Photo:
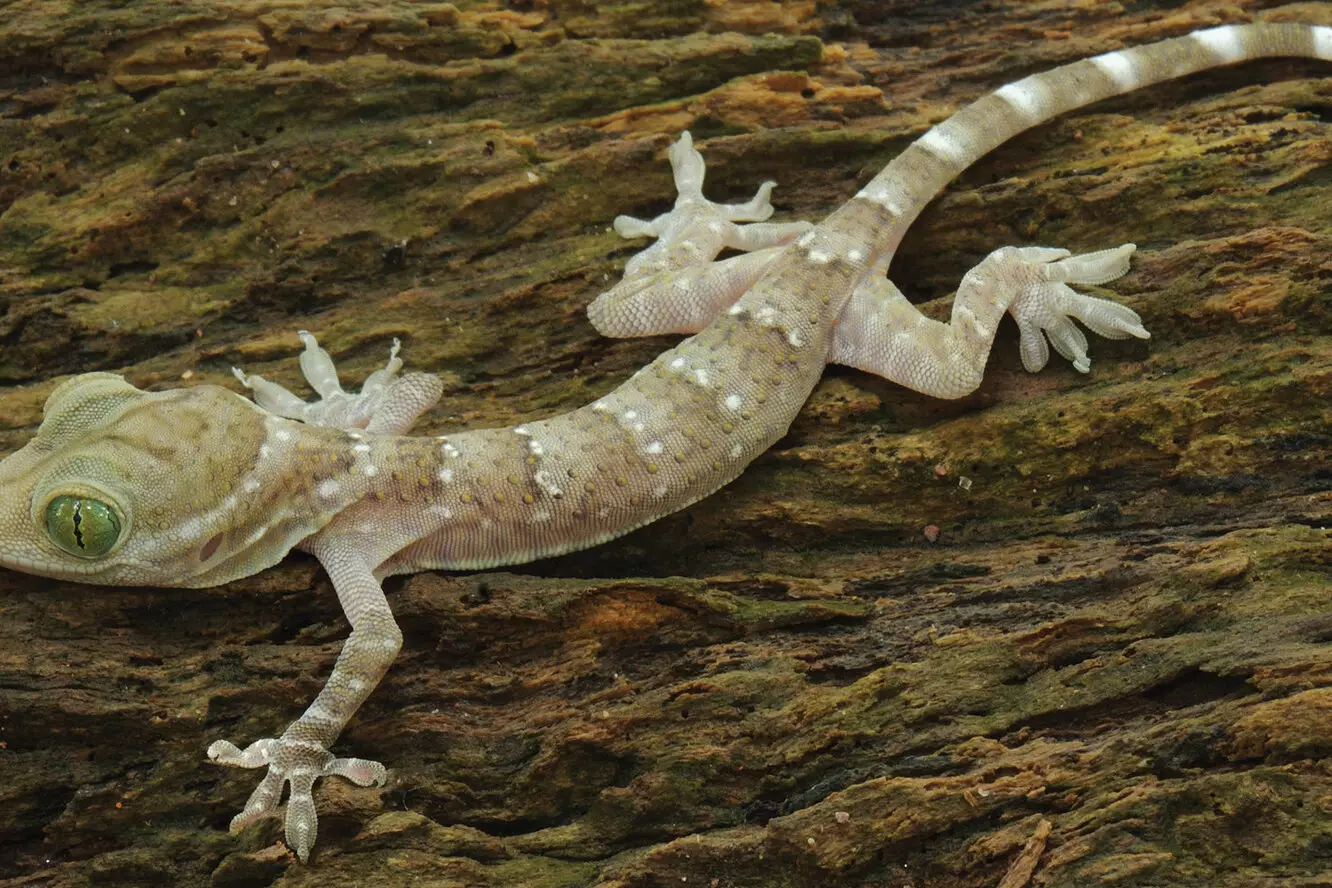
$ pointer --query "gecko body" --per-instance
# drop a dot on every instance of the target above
(199, 486)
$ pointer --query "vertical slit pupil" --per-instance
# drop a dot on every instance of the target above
(78, 525)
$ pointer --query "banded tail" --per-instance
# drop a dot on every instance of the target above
(902, 189)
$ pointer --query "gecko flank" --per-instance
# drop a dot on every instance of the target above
(122, 486)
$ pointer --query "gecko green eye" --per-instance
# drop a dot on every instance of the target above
(81, 526)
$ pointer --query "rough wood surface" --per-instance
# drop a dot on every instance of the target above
(1112, 667)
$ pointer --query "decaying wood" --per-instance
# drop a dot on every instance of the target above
(1119, 636)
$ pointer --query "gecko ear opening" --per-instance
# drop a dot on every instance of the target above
(210, 548)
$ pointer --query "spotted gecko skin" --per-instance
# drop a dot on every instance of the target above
(200, 486)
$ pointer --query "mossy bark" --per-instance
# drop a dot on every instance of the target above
(1070, 631)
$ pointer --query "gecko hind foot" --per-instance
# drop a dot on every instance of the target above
(297, 763)
(1045, 310)
(387, 404)
(880, 331)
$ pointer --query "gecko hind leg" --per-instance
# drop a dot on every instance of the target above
(387, 404)
(881, 332)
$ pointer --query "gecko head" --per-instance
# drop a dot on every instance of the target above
(127, 487)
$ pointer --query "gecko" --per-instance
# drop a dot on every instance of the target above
(199, 486)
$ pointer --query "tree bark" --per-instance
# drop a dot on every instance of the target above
(1069, 631)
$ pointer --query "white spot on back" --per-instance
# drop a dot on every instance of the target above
(736, 451)
(733, 402)
(446, 475)
(680, 362)
(282, 435)
(521, 430)
(449, 450)
(1224, 42)
(855, 255)
(1119, 68)
(701, 377)
(654, 447)
(736, 309)
(660, 491)
(819, 257)
(545, 482)
(794, 337)
(328, 488)
(371, 470)
(251, 485)
(536, 448)
(361, 448)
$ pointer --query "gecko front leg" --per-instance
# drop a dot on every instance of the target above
(387, 404)
(301, 755)
(676, 285)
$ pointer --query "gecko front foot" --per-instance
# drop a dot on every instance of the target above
(387, 404)
(299, 763)
(677, 285)
(1045, 310)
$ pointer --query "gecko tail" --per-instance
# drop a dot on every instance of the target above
(898, 194)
